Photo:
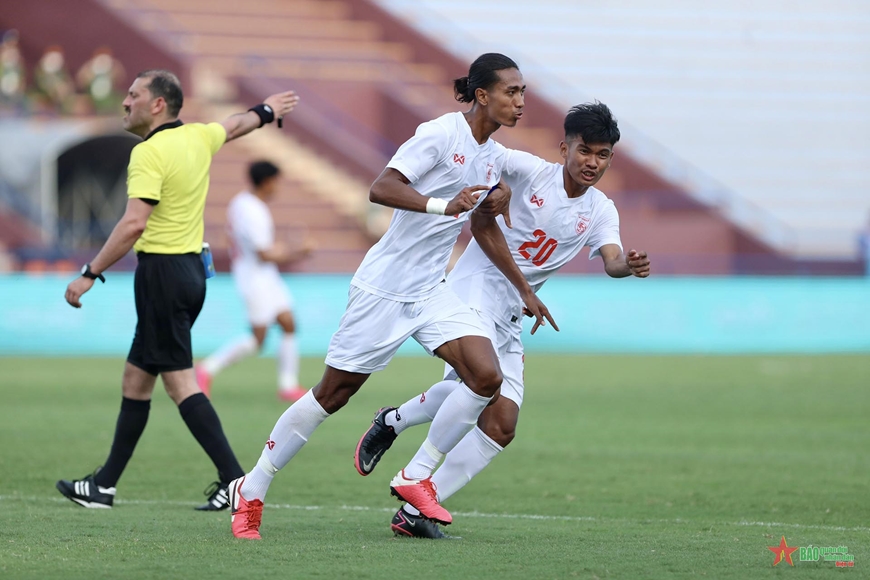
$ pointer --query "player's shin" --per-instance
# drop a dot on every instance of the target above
(288, 436)
(456, 417)
(421, 409)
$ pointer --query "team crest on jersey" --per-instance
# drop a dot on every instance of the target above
(538, 201)
(460, 159)
(582, 222)
(489, 168)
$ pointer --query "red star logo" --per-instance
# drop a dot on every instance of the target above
(782, 551)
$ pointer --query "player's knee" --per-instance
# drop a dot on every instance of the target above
(500, 432)
(487, 383)
(333, 397)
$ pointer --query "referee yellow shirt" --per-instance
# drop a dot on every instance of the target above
(171, 168)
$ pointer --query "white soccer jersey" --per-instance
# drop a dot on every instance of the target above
(251, 229)
(440, 160)
(549, 230)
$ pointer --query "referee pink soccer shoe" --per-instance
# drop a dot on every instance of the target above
(420, 493)
(247, 515)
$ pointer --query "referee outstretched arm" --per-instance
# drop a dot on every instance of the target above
(167, 185)
(141, 107)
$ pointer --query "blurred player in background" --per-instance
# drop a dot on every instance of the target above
(556, 211)
(255, 258)
(398, 292)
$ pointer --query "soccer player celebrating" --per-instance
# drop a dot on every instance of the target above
(433, 181)
(255, 258)
(556, 211)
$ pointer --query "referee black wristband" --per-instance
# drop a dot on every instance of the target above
(265, 112)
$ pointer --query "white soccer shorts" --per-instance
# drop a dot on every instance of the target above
(508, 345)
(373, 328)
(265, 295)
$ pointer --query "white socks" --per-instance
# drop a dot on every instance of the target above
(456, 417)
(467, 459)
(421, 409)
(288, 363)
(230, 353)
(288, 436)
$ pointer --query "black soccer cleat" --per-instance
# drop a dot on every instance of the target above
(218, 497)
(86, 492)
(404, 524)
(374, 443)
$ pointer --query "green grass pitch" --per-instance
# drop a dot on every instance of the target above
(623, 467)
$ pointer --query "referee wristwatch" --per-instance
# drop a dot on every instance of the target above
(87, 273)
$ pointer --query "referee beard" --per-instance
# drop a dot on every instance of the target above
(167, 183)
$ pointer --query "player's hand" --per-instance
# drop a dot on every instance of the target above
(538, 310)
(75, 290)
(498, 203)
(282, 103)
(638, 263)
(465, 201)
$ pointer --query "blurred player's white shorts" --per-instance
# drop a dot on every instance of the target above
(508, 344)
(373, 328)
(265, 295)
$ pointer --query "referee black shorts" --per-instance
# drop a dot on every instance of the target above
(170, 291)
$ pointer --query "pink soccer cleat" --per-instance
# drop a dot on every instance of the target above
(292, 395)
(203, 380)
(420, 493)
(246, 514)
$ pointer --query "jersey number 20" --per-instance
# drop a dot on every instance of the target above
(545, 246)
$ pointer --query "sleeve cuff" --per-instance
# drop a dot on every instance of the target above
(404, 170)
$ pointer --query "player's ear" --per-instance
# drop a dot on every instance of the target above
(481, 96)
(563, 150)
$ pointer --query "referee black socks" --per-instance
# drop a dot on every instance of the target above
(131, 423)
(203, 422)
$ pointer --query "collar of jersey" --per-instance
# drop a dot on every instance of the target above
(174, 124)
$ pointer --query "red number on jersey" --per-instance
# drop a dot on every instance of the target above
(547, 247)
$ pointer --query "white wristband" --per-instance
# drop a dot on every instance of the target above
(436, 206)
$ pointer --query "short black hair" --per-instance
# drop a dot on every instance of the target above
(260, 171)
(165, 84)
(593, 122)
(482, 74)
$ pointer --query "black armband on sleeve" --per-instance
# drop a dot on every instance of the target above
(265, 112)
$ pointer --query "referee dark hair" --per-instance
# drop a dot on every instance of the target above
(167, 183)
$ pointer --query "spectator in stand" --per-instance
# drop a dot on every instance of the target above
(11, 71)
(54, 87)
(99, 78)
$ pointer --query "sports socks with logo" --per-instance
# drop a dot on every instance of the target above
(421, 409)
(290, 433)
(456, 417)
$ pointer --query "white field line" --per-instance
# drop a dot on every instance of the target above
(475, 514)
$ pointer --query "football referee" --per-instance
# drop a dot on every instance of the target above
(167, 183)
